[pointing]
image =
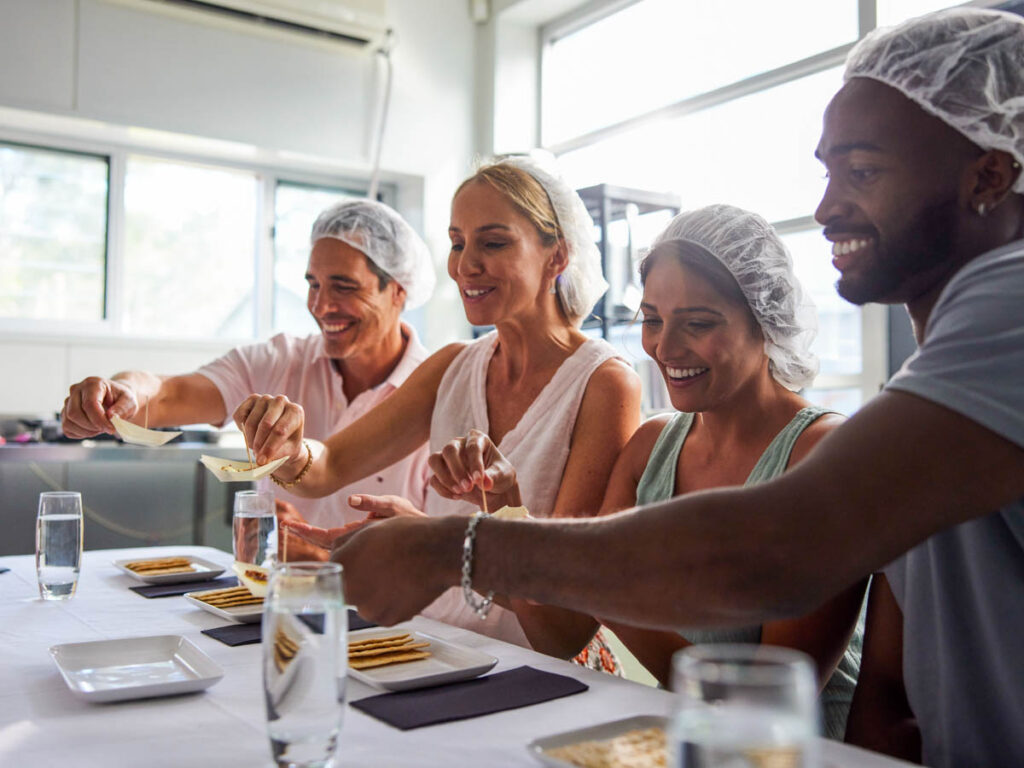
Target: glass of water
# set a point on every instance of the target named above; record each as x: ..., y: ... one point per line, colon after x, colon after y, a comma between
x: 58, y: 544
x: 254, y: 528
x: 305, y: 659
x: 744, y: 706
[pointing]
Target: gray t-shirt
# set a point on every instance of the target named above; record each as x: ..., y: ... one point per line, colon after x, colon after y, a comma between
x: 962, y: 590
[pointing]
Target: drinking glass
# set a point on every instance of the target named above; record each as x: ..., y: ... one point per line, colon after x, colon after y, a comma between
x: 744, y: 706
x: 305, y: 658
x: 58, y: 544
x: 254, y: 528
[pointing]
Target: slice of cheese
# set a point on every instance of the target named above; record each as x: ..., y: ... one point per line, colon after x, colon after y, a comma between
x: 252, y: 577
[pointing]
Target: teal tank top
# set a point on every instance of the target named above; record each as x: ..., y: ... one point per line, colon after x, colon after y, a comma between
x: 658, y: 483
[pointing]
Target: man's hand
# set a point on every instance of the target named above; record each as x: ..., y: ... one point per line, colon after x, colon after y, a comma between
x: 91, y: 403
x: 468, y: 464
x: 295, y: 547
x: 396, y: 568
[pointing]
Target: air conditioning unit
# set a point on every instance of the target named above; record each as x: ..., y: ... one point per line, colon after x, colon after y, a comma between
x: 361, y: 22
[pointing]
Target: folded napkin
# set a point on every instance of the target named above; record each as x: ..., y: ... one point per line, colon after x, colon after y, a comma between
x: 169, y: 590
x: 247, y: 634
x: 519, y: 687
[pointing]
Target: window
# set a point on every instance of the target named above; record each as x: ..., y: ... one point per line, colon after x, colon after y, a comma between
x: 657, y: 52
x: 687, y: 97
x: 296, y: 207
x: 197, y: 248
x: 53, y: 234
x: 190, y: 249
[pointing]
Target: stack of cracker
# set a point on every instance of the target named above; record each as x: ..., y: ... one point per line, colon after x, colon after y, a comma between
x: 643, y: 748
x: 389, y: 649
x: 230, y: 598
x: 161, y: 566
x: 285, y: 650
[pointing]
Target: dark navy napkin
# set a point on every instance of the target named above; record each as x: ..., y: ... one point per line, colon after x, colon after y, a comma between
x: 247, y: 634
x: 519, y: 687
x: 4, y: 570
x: 169, y: 590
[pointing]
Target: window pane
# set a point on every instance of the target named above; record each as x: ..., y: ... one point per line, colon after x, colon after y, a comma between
x: 53, y: 234
x: 657, y: 52
x: 756, y: 152
x: 296, y: 207
x: 845, y: 401
x: 894, y: 11
x: 838, y: 344
x: 190, y: 249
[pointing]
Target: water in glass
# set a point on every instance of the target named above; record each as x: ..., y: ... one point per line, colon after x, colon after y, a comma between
x: 58, y: 544
x: 254, y: 528
x: 304, y: 663
x: 744, y: 706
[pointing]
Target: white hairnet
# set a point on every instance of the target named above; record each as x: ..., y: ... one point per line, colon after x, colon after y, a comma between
x: 386, y: 239
x: 756, y: 257
x: 582, y: 283
x: 965, y: 66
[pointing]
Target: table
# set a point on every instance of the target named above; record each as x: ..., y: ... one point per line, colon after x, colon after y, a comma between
x: 42, y: 723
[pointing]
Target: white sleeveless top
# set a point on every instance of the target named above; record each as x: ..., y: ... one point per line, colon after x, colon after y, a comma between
x: 538, y: 447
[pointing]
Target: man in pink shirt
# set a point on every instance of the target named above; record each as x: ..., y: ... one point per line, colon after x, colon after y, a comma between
x: 365, y: 266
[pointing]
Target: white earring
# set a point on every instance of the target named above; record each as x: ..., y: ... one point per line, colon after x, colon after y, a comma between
x: 982, y: 209
x: 553, y: 288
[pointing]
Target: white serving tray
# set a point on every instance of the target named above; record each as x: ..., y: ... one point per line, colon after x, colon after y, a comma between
x: 447, y: 663
x: 239, y: 471
x: 134, y: 668
x: 538, y: 747
x: 246, y: 614
x: 204, y: 570
x: 133, y: 433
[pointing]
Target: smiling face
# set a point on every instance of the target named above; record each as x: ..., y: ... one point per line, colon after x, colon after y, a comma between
x: 498, y: 259
x: 707, y: 346
x: 893, y: 207
x: 347, y: 302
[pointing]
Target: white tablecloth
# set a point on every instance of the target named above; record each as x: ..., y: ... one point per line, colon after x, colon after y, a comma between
x: 43, y: 724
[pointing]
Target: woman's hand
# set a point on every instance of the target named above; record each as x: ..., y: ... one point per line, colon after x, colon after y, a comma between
x: 273, y: 427
x: 380, y: 507
x: 289, y: 546
x: 323, y: 539
x: 468, y: 464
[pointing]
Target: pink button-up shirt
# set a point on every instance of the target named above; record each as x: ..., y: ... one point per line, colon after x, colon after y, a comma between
x: 300, y: 369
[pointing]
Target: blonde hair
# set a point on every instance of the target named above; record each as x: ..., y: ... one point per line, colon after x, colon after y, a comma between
x: 525, y: 193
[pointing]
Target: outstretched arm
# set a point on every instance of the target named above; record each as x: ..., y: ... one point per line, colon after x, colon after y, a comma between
x: 391, y: 431
x: 142, y: 398
x: 900, y: 470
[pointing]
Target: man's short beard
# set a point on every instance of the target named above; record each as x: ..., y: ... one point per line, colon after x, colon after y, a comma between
x: 897, y: 267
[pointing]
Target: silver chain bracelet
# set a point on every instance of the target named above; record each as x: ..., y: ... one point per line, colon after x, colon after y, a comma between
x: 480, y: 607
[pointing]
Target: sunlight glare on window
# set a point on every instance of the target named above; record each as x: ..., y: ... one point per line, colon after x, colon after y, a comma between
x: 656, y: 52
x: 53, y: 234
x: 190, y: 249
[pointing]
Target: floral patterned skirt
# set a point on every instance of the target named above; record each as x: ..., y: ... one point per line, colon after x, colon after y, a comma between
x: 599, y: 656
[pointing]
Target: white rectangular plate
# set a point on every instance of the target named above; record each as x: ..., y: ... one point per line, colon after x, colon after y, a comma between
x: 204, y: 569
x: 246, y: 614
x: 447, y: 663
x: 134, y: 668
x: 133, y: 433
x: 602, y: 732
x: 239, y: 470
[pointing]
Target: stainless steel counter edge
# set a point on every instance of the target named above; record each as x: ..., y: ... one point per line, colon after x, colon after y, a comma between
x: 88, y: 450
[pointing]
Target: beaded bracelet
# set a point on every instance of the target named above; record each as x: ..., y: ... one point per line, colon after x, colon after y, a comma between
x: 480, y: 607
x: 302, y: 474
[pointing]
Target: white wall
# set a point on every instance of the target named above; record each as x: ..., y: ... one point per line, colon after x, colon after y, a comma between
x: 117, y: 63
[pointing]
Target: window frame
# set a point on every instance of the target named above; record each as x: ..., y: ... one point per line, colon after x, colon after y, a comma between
x: 116, y: 153
x: 874, y: 317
